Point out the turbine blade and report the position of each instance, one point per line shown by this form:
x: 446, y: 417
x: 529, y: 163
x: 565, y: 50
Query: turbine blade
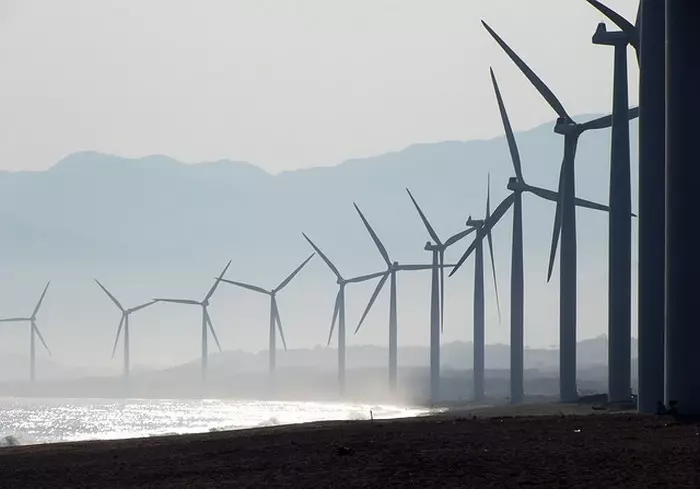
x: 324, y: 257
x: 375, y: 238
x: 43, y: 342
x: 555, y: 239
x: 254, y: 288
x: 41, y: 299
x: 211, y: 328
x: 554, y: 197
x: 119, y: 332
x: 415, y: 267
x: 364, y: 278
x: 293, y: 274
x: 278, y: 320
x: 631, y: 31
x: 493, y: 270
x: 442, y: 290
x: 14, y: 320
x: 109, y: 294
x: 216, y: 283
x: 141, y: 306
x: 544, y: 90
x: 459, y: 236
x: 486, y: 228
x: 336, y: 310
x: 606, y: 121
x: 592, y: 205
x: 510, y: 137
x: 375, y: 294
x: 489, y: 238
x: 180, y: 301
x: 430, y: 229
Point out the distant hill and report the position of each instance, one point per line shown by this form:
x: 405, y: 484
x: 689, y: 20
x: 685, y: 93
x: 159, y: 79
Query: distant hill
x: 154, y: 226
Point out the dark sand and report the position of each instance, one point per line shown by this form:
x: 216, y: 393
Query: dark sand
x: 449, y: 450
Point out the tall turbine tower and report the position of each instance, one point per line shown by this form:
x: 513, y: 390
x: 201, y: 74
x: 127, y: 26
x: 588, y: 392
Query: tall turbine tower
x: 33, y: 333
x: 620, y: 223
x: 518, y: 187
x: 564, y: 223
x: 206, y: 319
x: 275, y: 321
x: 479, y: 308
x: 123, y: 322
x: 339, y: 310
x: 437, y: 297
x: 392, y: 269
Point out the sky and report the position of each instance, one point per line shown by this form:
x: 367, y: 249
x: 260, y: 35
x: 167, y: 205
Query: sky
x: 284, y: 84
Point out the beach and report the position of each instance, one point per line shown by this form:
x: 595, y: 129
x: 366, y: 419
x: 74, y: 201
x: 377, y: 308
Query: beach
x: 480, y: 448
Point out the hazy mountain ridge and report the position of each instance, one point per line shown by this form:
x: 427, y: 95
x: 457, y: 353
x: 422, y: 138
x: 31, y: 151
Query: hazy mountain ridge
x: 155, y: 226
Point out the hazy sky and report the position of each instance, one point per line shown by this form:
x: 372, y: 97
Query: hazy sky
x: 282, y: 83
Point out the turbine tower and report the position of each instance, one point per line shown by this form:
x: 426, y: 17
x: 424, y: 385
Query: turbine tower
x: 339, y: 310
x: 564, y: 222
x: 437, y: 298
x: 390, y: 273
x: 123, y: 322
x: 206, y: 319
x: 620, y: 222
x: 33, y: 333
x: 479, y: 308
x: 518, y: 187
x: 275, y: 321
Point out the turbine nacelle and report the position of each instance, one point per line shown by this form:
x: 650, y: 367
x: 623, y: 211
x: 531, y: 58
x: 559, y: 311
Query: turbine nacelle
x: 429, y: 246
x: 609, y: 38
x: 474, y: 223
x: 516, y: 185
x: 566, y: 126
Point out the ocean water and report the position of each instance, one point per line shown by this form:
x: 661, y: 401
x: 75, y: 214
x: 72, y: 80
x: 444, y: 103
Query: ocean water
x: 30, y: 421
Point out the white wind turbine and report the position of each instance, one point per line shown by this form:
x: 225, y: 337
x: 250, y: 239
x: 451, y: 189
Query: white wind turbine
x: 123, y: 322
x: 206, y: 319
x: 33, y: 333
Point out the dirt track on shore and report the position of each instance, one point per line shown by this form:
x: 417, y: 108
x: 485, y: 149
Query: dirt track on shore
x: 453, y: 450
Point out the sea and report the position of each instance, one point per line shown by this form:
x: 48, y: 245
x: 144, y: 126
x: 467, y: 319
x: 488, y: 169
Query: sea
x: 26, y: 421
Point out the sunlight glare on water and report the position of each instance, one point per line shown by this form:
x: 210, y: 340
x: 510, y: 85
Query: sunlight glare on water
x: 54, y: 420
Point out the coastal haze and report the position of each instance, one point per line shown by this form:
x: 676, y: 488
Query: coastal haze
x: 148, y: 143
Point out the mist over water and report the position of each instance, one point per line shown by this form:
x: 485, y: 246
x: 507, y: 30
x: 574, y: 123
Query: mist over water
x: 31, y: 421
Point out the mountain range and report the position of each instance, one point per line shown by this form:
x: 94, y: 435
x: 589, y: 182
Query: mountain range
x: 154, y: 226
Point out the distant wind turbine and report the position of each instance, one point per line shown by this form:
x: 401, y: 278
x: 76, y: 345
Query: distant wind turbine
x: 123, y: 322
x: 392, y: 269
x: 206, y: 319
x: 437, y: 297
x: 564, y: 221
x: 517, y: 186
x: 275, y: 321
x: 33, y: 332
x: 339, y: 309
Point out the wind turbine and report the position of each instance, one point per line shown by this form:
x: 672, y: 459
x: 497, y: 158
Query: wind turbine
x: 564, y: 221
x: 437, y: 298
x: 123, y: 322
x: 339, y: 309
x: 479, y: 304
x: 275, y: 321
x: 33, y: 332
x: 517, y: 186
x: 620, y: 221
x: 390, y: 273
x: 206, y: 319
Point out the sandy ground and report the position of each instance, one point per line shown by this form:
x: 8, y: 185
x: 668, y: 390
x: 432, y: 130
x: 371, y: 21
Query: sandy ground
x: 480, y: 448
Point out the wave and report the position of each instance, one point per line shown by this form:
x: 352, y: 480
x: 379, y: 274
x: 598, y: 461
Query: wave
x: 10, y: 441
